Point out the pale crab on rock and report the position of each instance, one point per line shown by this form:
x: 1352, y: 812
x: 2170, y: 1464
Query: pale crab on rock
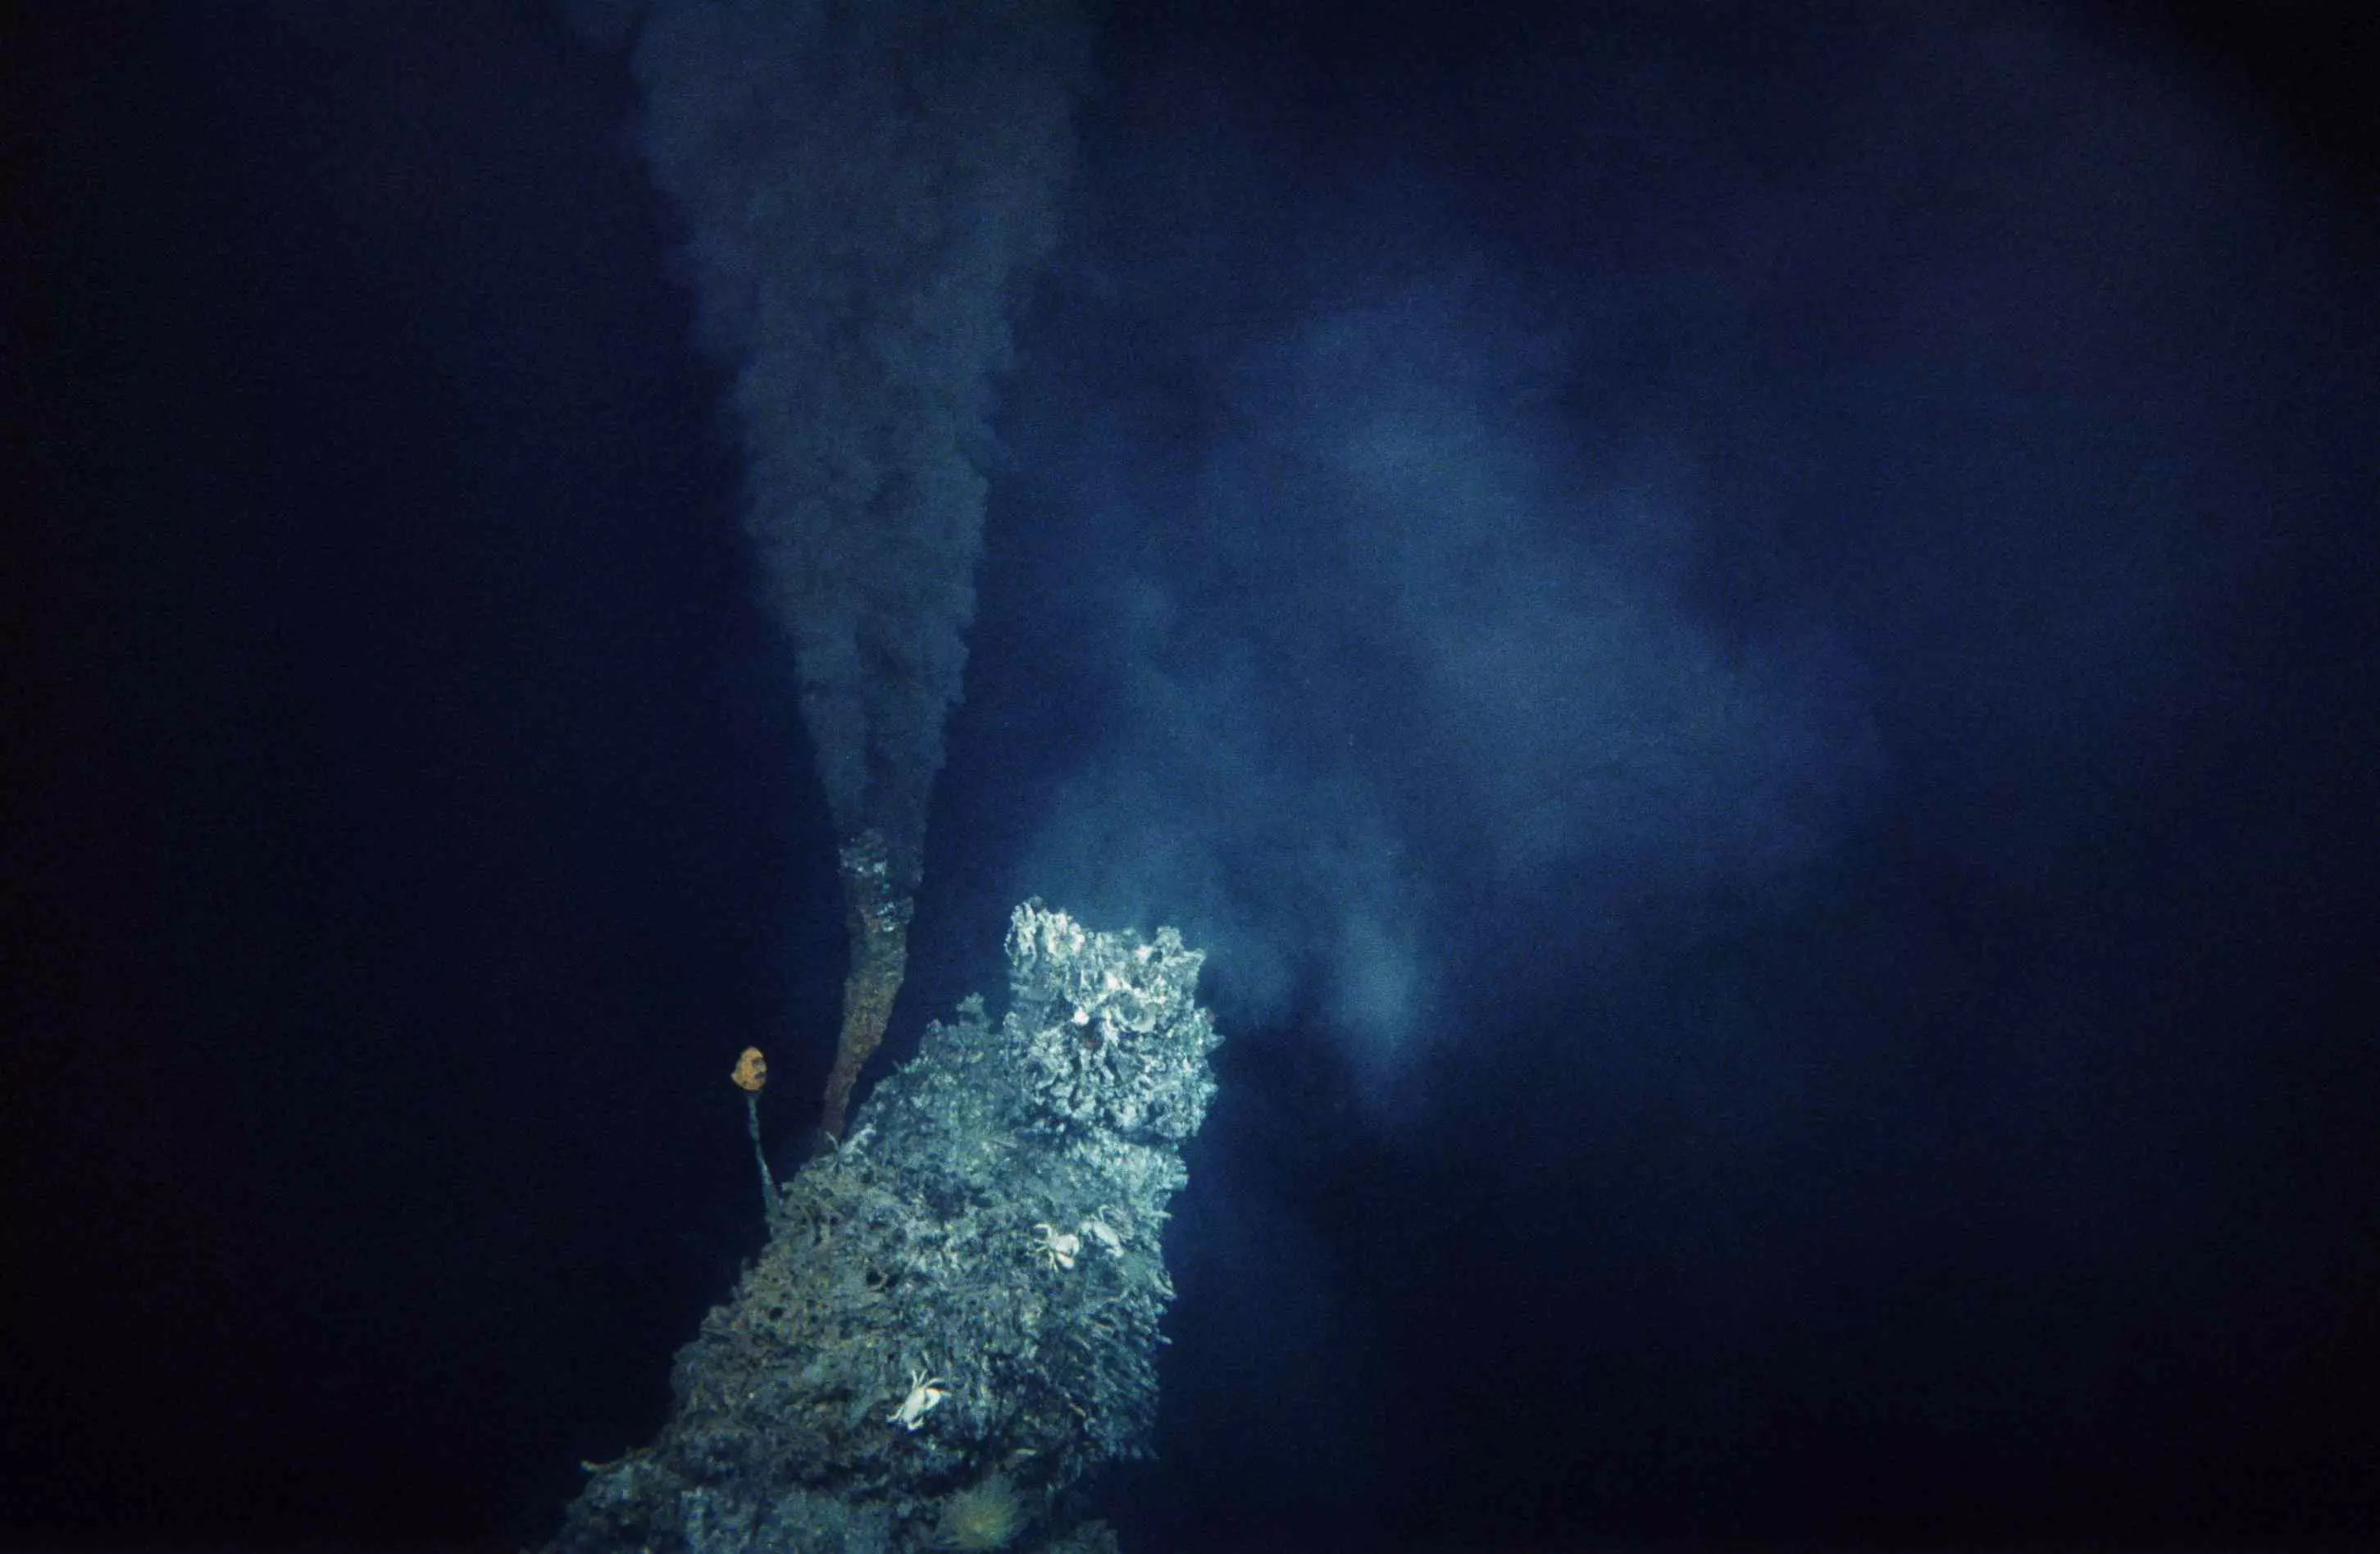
x: 924, y: 1392
x: 1058, y: 1245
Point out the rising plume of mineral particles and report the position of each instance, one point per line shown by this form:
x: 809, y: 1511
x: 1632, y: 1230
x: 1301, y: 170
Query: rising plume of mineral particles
x: 866, y: 189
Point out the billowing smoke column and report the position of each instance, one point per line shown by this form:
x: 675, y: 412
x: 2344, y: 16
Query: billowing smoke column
x: 863, y: 184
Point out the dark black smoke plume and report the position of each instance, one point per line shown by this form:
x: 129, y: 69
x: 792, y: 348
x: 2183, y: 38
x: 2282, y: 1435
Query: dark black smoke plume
x: 864, y: 185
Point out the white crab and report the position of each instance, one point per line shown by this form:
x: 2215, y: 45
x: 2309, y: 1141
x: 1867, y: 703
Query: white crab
x: 1105, y: 1235
x: 924, y: 1392
x: 1059, y: 1246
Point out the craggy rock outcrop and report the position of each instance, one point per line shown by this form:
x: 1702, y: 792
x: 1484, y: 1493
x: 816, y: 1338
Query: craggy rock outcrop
x: 953, y: 1324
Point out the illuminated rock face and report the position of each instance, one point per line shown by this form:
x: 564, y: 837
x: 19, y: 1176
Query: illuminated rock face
x: 959, y: 1301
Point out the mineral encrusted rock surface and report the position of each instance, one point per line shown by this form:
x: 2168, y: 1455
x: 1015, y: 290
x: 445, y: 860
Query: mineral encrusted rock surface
x: 953, y: 1324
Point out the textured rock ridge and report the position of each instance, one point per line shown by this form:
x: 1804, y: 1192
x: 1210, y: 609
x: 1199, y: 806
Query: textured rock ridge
x: 955, y: 1323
